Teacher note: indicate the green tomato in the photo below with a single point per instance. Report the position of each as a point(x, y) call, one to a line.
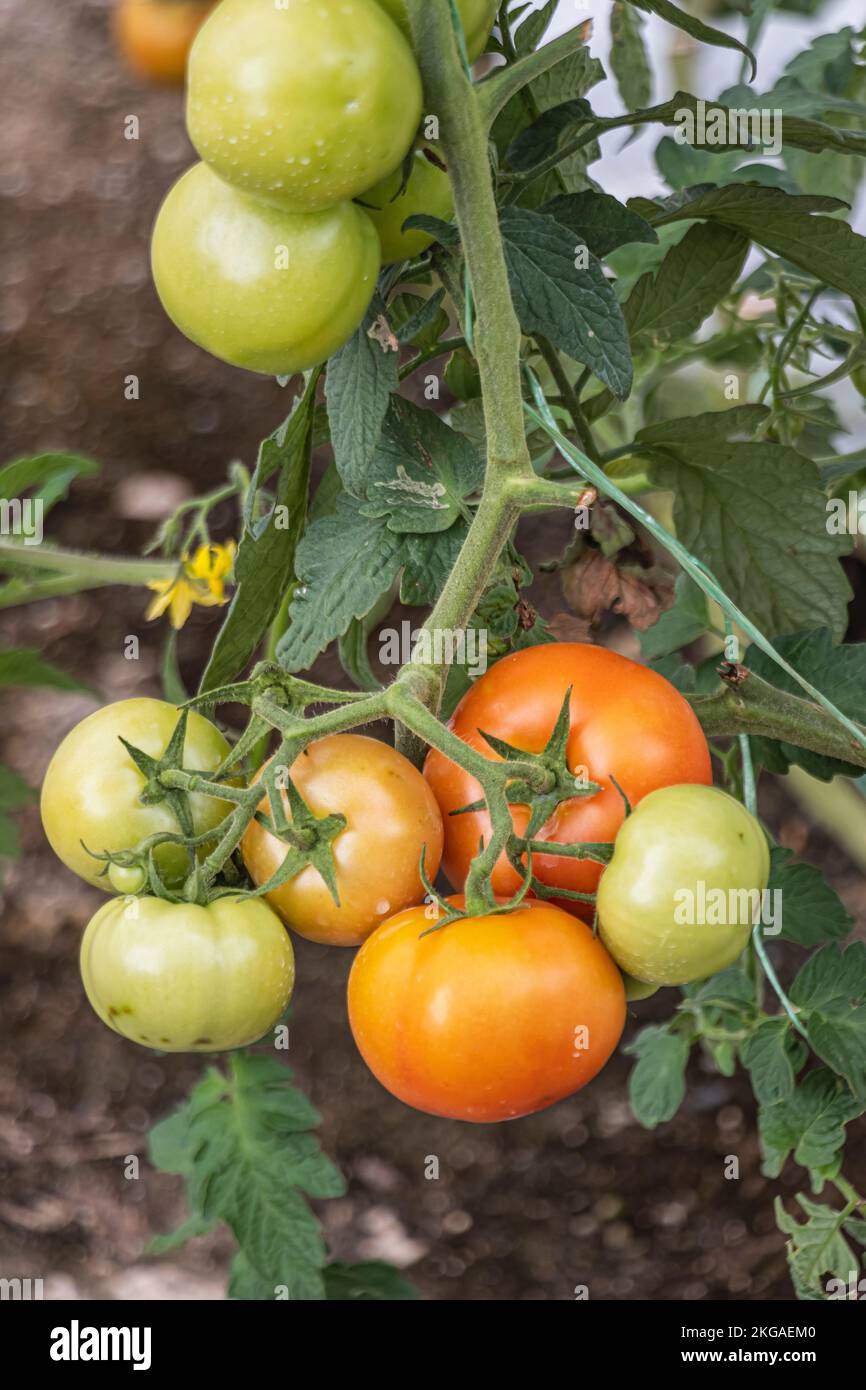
point(428, 190)
point(269, 290)
point(183, 978)
point(304, 103)
point(858, 378)
point(677, 901)
point(637, 989)
point(126, 879)
point(477, 17)
point(92, 787)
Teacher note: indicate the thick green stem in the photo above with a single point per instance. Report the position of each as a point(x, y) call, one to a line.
point(747, 704)
point(464, 142)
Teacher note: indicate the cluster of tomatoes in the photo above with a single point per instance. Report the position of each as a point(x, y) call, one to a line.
point(477, 1017)
point(305, 114)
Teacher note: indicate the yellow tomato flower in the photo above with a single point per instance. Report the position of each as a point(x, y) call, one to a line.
point(200, 580)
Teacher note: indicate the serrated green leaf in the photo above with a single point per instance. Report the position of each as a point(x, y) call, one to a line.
point(693, 26)
point(421, 471)
point(779, 565)
point(831, 976)
point(657, 1083)
point(817, 1247)
point(787, 225)
point(694, 276)
point(628, 57)
point(599, 220)
point(766, 1056)
point(244, 1147)
point(575, 307)
point(366, 1282)
point(683, 623)
point(344, 562)
point(810, 1122)
point(812, 911)
point(360, 380)
point(49, 474)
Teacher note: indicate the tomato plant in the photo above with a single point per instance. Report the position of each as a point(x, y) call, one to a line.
point(155, 36)
point(184, 978)
point(629, 732)
point(391, 817)
point(91, 794)
point(486, 1018)
point(223, 279)
point(680, 896)
point(656, 373)
point(303, 104)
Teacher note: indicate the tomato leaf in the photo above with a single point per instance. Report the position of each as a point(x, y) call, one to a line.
point(812, 912)
point(786, 224)
point(694, 276)
point(421, 471)
point(780, 566)
point(816, 1248)
point(767, 1058)
point(345, 562)
point(693, 26)
point(371, 1280)
point(561, 292)
point(628, 57)
point(361, 378)
point(243, 1145)
point(20, 666)
point(657, 1083)
point(683, 623)
point(810, 1123)
point(265, 563)
point(599, 220)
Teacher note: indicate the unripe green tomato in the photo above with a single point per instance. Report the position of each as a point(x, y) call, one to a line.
point(858, 377)
point(477, 17)
point(183, 978)
point(428, 190)
point(676, 903)
point(303, 104)
point(269, 290)
point(126, 878)
point(92, 787)
point(636, 990)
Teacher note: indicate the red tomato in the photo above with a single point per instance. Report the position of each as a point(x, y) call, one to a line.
point(626, 722)
point(488, 1018)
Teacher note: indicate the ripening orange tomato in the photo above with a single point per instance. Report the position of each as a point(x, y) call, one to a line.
point(391, 814)
point(155, 36)
point(488, 1018)
point(626, 722)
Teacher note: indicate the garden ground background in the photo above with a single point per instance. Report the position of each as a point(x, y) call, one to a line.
point(528, 1210)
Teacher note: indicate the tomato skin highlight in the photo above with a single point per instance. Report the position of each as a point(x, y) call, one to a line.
point(482, 1020)
point(626, 721)
point(155, 36)
point(214, 262)
point(428, 190)
point(302, 105)
point(677, 839)
point(477, 17)
point(184, 978)
point(91, 788)
point(390, 814)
